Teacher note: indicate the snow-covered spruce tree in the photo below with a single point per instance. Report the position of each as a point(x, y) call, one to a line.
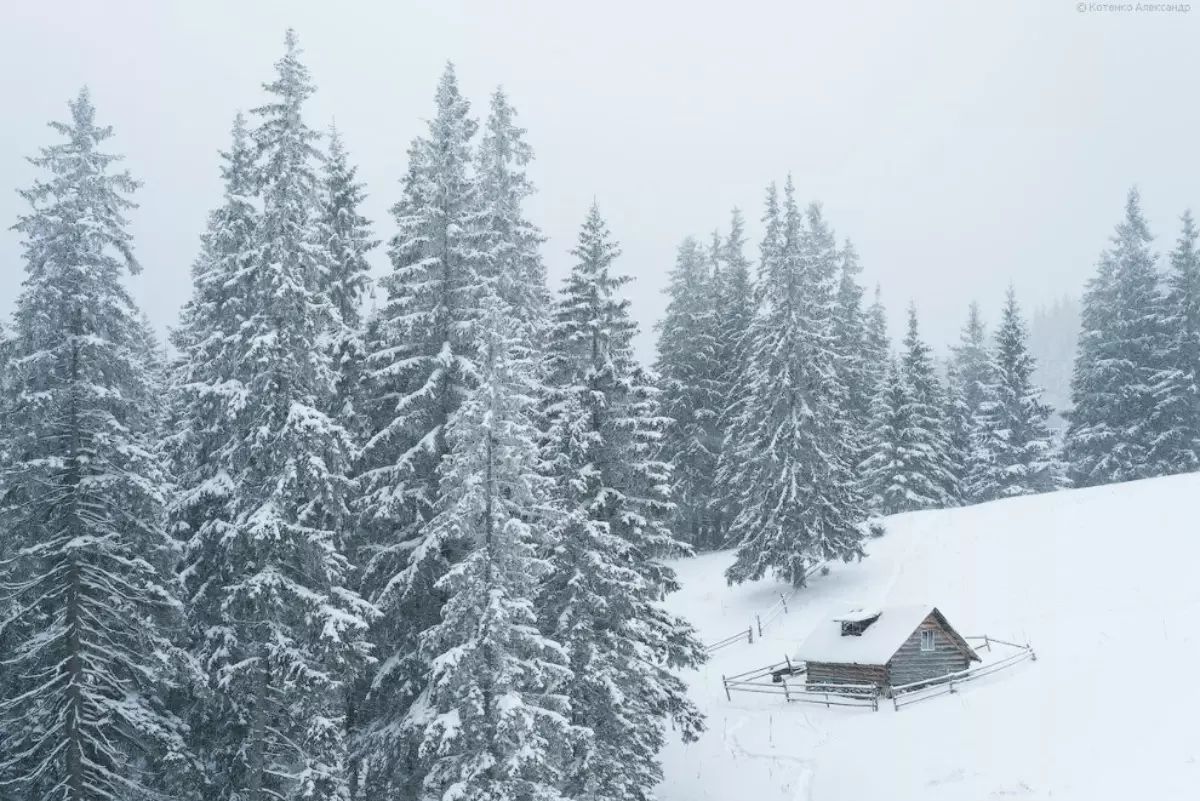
point(1176, 420)
point(969, 373)
point(507, 241)
point(735, 302)
point(200, 398)
point(601, 600)
point(784, 463)
point(973, 360)
point(960, 429)
point(492, 720)
point(1013, 448)
point(346, 234)
point(937, 486)
point(91, 623)
point(853, 357)
point(1121, 349)
point(276, 624)
point(893, 474)
point(877, 344)
point(420, 366)
point(222, 278)
point(690, 378)
point(735, 309)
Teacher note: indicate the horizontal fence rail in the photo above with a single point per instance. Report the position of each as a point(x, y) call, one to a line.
point(906, 694)
point(747, 635)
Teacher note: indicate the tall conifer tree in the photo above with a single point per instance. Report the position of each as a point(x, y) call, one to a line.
point(420, 367)
point(90, 632)
point(1176, 420)
point(735, 310)
point(346, 234)
point(894, 474)
point(854, 358)
point(785, 463)
point(960, 429)
point(1122, 346)
point(972, 360)
point(601, 600)
point(692, 397)
point(877, 344)
point(494, 720)
point(928, 435)
point(509, 242)
point(1013, 445)
point(277, 625)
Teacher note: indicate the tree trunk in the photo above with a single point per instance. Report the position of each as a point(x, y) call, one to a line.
point(73, 715)
point(258, 734)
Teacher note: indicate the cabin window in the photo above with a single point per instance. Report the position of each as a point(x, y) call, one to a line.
point(927, 641)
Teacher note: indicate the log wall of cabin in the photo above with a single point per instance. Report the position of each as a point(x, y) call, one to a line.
point(837, 673)
point(912, 664)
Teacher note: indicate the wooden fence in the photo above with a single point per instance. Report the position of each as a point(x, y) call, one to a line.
point(747, 635)
point(905, 694)
point(773, 680)
point(765, 619)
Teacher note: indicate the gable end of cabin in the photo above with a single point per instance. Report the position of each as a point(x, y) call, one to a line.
point(930, 652)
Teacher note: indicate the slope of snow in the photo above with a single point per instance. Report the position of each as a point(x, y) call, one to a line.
point(1103, 583)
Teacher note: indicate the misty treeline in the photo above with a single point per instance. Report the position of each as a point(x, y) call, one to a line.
point(773, 382)
point(795, 422)
point(419, 553)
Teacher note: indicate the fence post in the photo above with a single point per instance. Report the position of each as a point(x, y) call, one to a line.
point(783, 599)
point(895, 701)
point(725, 681)
point(987, 643)
point(750, 634)
point(759, 621)
point(1032, 655)
point(951, 685)
point(787, 695)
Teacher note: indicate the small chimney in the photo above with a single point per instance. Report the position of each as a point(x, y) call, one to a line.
point(856, 621)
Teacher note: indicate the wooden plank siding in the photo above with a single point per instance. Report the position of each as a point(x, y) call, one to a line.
point(911, 664)
point(834, 673)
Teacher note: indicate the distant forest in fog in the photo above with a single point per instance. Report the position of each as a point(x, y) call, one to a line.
point(1053, 342)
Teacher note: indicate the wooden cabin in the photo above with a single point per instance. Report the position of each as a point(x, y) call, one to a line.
point(885, 648)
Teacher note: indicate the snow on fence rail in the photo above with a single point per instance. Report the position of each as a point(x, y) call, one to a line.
point(905, 694)
point(766, 618)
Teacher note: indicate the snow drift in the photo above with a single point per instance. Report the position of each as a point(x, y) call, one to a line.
point(1102, 582)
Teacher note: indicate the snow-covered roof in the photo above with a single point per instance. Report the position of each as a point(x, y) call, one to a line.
point(875, 646)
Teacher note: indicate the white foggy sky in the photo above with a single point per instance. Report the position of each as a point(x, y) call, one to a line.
point(962, 146)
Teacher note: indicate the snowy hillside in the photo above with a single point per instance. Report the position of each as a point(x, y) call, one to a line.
point(1102, 582)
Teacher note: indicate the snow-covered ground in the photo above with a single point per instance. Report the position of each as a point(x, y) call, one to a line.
point(1103, 583)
